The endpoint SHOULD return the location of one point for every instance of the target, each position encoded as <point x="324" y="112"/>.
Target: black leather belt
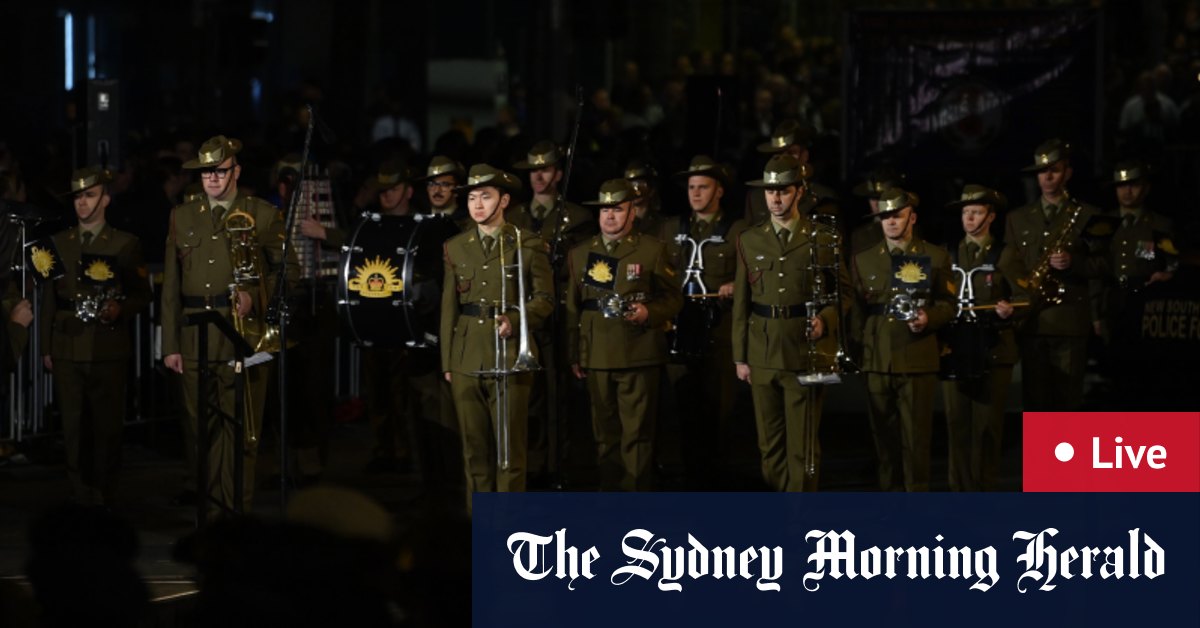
<point x="877" y="309"/>
<point x="479" y="311"/>
<point x="64" y="304"/>
<point x="207" y="302"/>
<point x="779" y="311"/>
<point x="591" y="305"/>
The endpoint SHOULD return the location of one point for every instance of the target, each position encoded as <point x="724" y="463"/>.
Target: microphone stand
<point x="278" y="313"/>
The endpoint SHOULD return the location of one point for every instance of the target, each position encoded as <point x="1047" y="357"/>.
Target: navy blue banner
<point x="736" y="559"/>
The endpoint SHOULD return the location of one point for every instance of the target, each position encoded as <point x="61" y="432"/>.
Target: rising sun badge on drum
<point x="376" y="279"/>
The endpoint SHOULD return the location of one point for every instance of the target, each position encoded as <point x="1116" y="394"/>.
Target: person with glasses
<point x="88" y="348"/>
<point x="198" y="276"/>
<point x="441" y="178"/>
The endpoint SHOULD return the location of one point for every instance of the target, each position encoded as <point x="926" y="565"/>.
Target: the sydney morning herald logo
<point x="1112" y="451"/>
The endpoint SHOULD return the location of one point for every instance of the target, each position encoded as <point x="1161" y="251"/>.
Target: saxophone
<point x="1042" y="285"/>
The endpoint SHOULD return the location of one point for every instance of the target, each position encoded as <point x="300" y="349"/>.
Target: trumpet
<point x="525" y="360"/>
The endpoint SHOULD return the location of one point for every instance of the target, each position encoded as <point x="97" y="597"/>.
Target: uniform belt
<point x="779" y="311"/>
<point x="207" y="302"/>
<point x="592" y="305"/>
<point x="877" y="309"/>
<point x="479" y="311"/>
<point x="64" y="304"/>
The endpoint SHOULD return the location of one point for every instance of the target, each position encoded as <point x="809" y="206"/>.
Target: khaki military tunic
<point x="702" y="373"/>
<point x="901" y="366"/>
<point x="471" y="296"/>
<point x="1053" y="339"/>
<point x="622" y="360"/>
<point x="774" y="282"/>
<point x="197" y="277"/>
<point x="91" y="360"/>
<point x="975" y="407"/>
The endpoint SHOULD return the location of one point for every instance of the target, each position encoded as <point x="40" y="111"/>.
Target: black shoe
<point x="186" y="497"/>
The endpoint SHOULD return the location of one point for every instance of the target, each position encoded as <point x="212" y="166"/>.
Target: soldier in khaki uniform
<point x="702" y="245"/>
<point x="1045" y="234"/>
<point x="561" y="225"/>
<point x="868" y="234"/>
<point x="442" y="178"/>
<point x="772" y="327"/>
<point x="199" y="276"/>
<point x="900" y="358"/>
<point x="476" y="275"/>
<point x="395" y="380"/>
<point x="791" y="138"/>
<point x="622" y="291"/>
<point x="974" y="401"/>
<point x="89" y="351"/>
<point x="647" y="207"/>
<point x="1136" y="255"/>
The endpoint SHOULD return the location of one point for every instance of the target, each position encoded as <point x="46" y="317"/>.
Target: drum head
<point x="390" y="279"/>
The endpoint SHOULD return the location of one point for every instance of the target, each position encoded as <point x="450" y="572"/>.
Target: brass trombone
<point x="825" y="266"/>
<point x="525" y="360"/>
<point x="248" y="272"/>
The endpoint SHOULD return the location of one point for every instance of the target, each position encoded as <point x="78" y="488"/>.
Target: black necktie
<point x="784" y="234"/>
<point x="488" y="241"/>
<point x="86" y="236"/>
<point x="972" y="252"/>
<point x="1051" y="211"/>
<point x="1128" y="220"/>
<point x="611" y="246"/>
<point x="896" y="252"/>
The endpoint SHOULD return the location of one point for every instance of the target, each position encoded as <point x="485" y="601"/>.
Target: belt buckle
<point x="779" y="311"/>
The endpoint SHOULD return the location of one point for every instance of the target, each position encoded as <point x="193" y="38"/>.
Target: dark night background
<point x="503" y="74"/>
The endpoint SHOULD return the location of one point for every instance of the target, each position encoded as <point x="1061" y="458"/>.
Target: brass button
<point x="208" y="285"/>
<point x="214" y="237"/>
<point x="212" y="261"/>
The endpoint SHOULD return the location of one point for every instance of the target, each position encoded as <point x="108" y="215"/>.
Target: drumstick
<point x="992" y="307"/>
<point x="707" y="295"/>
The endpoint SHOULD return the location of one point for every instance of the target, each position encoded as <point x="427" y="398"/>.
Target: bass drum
<point x="390" y="280"/>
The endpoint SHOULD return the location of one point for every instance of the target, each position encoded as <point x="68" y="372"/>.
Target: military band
<point x="612" y="306"/>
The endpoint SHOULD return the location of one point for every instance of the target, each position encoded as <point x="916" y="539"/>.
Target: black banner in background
<point x="969" y="93"/>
